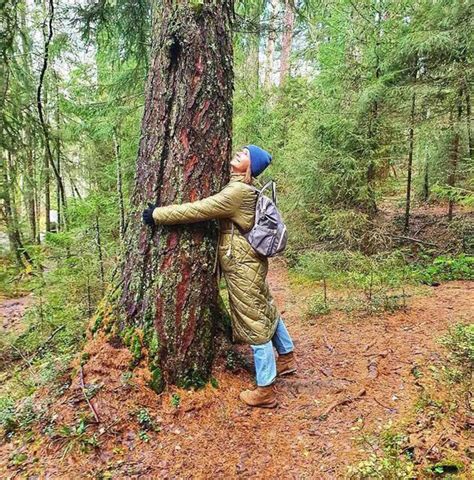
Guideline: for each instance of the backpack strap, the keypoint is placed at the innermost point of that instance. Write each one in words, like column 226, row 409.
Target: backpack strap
column 272, row 184
column 254, row 188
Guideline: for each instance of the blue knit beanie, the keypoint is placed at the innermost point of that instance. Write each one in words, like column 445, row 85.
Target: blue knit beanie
column 259, row 159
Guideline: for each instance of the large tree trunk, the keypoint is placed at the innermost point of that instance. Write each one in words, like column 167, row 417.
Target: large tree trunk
column 169, row 295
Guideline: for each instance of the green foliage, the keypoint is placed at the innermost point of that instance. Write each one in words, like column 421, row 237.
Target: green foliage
column 337, row 129
column 13, row 282
column 390, row 462
column 231, row 361
column 429, row 405
column 345, row 229
column 156, row 383
column 446, row 267
column 8, row 420
column 66, row 282
column 76, row 437
column 145, row 420
column 14, row 417
column 379, row 279
column 175, row 400
column 136, row 349
column 460, row 344
column 193, row 379
column 318, row 305
column 354, row 269
column 373, row 283
column 445, row 468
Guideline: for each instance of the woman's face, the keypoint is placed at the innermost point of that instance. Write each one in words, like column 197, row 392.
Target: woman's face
column 241, row 161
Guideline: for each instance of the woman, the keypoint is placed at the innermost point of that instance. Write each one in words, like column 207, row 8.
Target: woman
column 255, row 319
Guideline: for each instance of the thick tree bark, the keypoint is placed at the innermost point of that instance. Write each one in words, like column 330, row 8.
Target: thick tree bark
column 169, row 295
column 287, row 39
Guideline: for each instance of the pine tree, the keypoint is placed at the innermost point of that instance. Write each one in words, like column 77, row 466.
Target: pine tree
column 169, row 288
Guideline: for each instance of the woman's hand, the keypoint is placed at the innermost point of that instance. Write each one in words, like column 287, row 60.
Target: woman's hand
column 148, row 215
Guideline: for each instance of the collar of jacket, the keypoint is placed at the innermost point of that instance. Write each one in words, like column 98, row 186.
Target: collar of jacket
column 238, row 177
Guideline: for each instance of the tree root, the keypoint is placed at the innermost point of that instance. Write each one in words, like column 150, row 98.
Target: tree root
column 340, row 402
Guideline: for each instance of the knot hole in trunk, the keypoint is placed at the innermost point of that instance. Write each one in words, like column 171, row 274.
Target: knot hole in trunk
column 175, row 51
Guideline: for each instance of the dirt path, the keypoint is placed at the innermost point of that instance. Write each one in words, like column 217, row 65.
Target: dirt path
column 365, row 364
column 11, row 313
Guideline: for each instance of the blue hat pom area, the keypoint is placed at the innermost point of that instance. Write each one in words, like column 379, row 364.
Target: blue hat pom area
column 259, row 159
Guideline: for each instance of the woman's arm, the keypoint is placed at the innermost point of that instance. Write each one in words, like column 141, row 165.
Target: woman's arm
column 222, row 205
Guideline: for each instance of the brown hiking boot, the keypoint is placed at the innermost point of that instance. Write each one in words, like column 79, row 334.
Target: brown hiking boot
column 286, row 364
column 263, row 397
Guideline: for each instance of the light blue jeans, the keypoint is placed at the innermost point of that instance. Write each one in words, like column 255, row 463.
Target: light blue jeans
column 264, row 356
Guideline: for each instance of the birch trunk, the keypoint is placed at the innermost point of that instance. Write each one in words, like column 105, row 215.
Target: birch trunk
column 287, row 40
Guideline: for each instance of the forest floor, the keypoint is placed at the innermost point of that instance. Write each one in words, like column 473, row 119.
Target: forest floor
column 11, row 312
column 358, row 375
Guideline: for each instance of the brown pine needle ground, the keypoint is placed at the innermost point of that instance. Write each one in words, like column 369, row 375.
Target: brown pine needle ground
column 313, row 434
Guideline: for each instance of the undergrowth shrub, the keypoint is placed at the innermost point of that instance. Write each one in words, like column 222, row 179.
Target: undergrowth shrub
column 390, row 459
column 17, row 416
column 371, row 283
column 346, row 267
column 351, row 229
column 318, row 305
column 459, row 342
column 67, row 280
column 445, row 268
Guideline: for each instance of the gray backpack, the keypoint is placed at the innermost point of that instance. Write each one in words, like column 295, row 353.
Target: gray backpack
column 268, row 235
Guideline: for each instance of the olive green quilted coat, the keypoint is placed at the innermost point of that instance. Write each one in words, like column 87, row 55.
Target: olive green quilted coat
column 252, row 309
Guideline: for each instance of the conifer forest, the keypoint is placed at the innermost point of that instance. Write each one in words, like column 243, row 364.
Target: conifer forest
column 120, row 355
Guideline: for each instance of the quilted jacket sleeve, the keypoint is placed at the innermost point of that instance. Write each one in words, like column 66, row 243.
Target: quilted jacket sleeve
column 222, row 205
